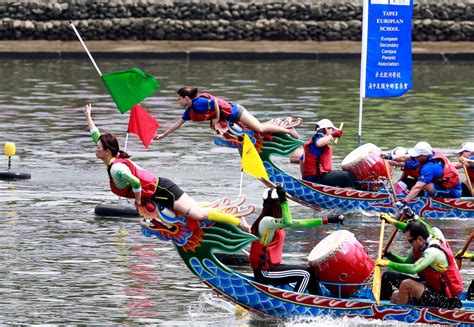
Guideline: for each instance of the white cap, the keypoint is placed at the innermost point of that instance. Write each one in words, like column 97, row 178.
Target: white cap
column 468, row 146
column 398, row 151
column 324, row 123
column 421, row 149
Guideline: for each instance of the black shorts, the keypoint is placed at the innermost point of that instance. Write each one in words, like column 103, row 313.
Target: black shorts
column 167, row 192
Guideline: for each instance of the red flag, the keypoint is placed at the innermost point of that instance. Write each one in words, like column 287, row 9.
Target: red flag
column 142, row 124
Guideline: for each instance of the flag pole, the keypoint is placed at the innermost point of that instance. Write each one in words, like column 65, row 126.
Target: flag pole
column 126, row 141
column 85, row 48
column 363, row 66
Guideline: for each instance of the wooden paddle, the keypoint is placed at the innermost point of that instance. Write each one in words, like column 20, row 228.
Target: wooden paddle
column 468, row 242
column 340, row 127
column 392, row 236
column 468, row 180
column 377, row 284
column 402, row 217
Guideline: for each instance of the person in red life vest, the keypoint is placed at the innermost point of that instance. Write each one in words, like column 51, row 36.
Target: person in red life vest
column 316, row 163
column 439, row 283
column 466, row 159
column 127, row 179
column 438, row 177
column 205, row 106
column 266, row 252
column 410, row 169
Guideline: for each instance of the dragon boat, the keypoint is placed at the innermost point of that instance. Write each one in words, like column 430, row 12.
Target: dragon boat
column 335, row 199
column 196, row 244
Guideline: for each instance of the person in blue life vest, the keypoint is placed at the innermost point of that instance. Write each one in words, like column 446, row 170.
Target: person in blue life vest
column 466, row 159
column 127, row 179
column 438, row 177
column 439, row 283
column 205, row 106
column 316, row 163
column 266, row 252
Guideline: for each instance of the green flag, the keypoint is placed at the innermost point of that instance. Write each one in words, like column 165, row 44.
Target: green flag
column 129, row 87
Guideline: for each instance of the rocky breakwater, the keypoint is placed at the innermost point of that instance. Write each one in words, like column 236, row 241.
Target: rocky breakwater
column 148, row 20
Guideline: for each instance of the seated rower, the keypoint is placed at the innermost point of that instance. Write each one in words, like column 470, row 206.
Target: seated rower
column 129, row 180
column 440, row 283
column 410, row 169
column 438, row 177
column 466, row 159
column 316, row 163
column 266, row 252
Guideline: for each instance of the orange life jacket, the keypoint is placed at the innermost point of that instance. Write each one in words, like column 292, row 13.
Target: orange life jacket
column 148, row 181
column 313, row 165
column 448, row 282
column 267, row 256
column 450, row 177
column 224, row 106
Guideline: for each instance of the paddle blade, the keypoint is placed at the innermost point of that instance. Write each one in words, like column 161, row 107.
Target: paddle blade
column 377, row 284
column 251, row 162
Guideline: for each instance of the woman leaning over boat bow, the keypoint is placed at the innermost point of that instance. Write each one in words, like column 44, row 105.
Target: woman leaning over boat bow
column 129, row 180
column 205, row 106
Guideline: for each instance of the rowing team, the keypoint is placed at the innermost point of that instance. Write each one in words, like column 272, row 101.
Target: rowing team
column 428, row 257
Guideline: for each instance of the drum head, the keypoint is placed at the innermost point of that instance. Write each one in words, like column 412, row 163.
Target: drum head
column 358, row 154
column 329, row 246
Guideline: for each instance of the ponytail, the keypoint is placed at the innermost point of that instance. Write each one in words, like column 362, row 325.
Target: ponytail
column 190, row 92
column 123, row 154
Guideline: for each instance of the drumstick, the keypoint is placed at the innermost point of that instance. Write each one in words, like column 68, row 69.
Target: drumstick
column 340, row 127
column 468, row 180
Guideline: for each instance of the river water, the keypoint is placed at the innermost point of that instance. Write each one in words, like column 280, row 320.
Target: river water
column 63, row 265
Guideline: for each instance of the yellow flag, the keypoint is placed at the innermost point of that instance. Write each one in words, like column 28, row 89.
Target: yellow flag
column 251, row 162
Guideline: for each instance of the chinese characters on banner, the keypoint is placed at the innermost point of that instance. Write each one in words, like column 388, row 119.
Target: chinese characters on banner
column 389, row 56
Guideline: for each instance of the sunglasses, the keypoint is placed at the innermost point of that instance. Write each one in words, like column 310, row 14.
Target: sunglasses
column 410, row 240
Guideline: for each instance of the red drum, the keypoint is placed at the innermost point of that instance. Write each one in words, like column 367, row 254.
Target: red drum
column 340, row 258
column 367, row 166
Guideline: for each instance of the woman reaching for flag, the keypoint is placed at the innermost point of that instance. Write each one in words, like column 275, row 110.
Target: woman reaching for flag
column 205, row 106
column 129, row 180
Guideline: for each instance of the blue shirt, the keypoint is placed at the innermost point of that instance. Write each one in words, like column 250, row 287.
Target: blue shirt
column 200, row 106
column 317, row 151
column 411, row 164
column 431, row 170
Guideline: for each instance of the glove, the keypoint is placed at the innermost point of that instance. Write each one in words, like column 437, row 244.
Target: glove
column 387, row 218
column 464, row 256
column 401, row 204
column 381, row 262
column 386, row 254
column 337, row 133
column 281, row 193
column 386, row 156
column 336, row 219
column 409, row 214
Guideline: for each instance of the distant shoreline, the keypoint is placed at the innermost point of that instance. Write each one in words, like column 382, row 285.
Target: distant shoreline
column 221, row 50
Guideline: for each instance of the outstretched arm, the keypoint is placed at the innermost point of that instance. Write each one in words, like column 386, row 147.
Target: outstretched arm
column 177, row 124
column 92, row 127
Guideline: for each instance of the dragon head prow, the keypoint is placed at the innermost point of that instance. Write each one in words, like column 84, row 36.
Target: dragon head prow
column 189, row 234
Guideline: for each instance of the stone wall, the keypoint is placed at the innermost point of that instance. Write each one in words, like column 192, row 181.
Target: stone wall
column 218, row 20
